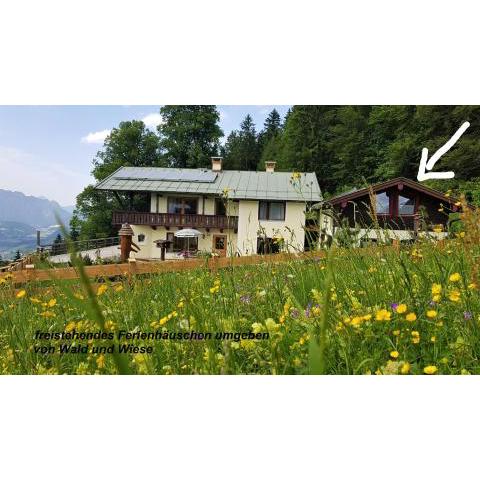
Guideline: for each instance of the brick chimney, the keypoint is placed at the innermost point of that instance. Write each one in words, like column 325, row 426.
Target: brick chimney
column 217, row 164
column 270, row 166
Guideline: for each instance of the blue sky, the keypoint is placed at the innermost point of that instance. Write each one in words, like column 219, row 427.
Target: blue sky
column 48, row 151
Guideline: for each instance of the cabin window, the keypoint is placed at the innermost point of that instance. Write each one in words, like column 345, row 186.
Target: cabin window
column 141, row 238
column 383, row 203
column 182, row 206
column 406, row 205
column 271, row 211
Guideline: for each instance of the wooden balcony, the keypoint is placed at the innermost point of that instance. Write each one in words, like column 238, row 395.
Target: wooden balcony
column 175, row 220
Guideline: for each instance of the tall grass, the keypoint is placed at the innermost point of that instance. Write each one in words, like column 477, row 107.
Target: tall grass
column 341, row 315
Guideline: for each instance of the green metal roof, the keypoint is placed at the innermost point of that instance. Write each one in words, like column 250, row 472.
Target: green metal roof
column 241, row 185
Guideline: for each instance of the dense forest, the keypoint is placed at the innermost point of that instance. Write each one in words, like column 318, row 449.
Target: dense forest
column 346, row 146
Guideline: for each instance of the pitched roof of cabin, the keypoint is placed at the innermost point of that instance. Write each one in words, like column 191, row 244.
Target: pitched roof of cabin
column 353, row 194
column 242, row 185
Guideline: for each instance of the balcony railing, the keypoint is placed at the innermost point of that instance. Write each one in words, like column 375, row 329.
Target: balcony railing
column 175, row 220
column 404, row 222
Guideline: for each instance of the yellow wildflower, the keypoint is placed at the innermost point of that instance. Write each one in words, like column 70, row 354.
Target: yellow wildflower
column 109, row 325
column 21, row 294
column 402, row 308
column 382, row 315
column 100, row 361
column 396, row 332
column 271, row 325
column 436, row 289
column 431, row 313
column 410, row 317
column 70, row 326
column 455, row 277
column 102, row 289
column 433, row 339
column 454, row 296
column 436, row 298
column 118, row 288
column 430, row 369
column 415, row 337
column 257, row 327
column 405, row 368
column 438, row 228
column 394, row 354
column 52, row 302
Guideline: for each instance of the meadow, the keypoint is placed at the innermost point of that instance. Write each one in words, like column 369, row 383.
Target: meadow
column 381, row 310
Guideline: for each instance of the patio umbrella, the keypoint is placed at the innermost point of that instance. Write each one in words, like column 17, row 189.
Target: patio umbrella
column 188, row 233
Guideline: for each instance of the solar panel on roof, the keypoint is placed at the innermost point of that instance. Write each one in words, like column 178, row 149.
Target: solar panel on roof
column 200, row 176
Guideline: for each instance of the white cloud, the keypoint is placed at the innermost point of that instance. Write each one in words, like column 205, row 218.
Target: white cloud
column 96, row 137
column 152, row 120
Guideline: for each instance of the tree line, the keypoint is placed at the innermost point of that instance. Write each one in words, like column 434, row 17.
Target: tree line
column 346, row 146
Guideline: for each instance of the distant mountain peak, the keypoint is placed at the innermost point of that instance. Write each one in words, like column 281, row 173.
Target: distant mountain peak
column 34, row 211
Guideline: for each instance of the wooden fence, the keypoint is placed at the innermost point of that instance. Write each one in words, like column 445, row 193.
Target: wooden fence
column 146, row 267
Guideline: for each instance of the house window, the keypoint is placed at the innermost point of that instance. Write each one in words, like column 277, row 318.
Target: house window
column 179, row 244
column 141, row 238
column 267, row 245
column 406, row 205
column 182, row 206
column 271, row 211
column 220, row 207
column 383, row 203
column 219, row 242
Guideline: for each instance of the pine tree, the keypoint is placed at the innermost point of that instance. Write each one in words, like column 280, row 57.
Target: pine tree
column 271, row 128
column 17, row 256
column 241, row 149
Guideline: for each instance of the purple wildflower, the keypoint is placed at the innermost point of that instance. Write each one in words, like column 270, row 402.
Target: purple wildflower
column 308, row 309
column 295, row 313
column 245, row 299
column 394, row 306
column 467, row 315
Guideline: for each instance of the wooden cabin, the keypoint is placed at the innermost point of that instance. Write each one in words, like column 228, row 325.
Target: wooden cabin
column 399, row 209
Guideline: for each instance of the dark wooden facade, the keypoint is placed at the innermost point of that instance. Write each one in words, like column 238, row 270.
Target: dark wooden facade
column 426, row 207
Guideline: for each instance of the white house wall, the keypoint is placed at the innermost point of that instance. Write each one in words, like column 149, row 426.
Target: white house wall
column 250, row 227
column 148, row 249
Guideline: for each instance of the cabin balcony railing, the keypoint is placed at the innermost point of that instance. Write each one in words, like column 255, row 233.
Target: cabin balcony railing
column 175, row 220
column 403, row 222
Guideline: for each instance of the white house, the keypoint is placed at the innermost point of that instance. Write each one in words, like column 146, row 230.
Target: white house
column 236, row 212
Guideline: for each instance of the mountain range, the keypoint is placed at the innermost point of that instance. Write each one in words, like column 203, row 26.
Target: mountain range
column 22, row 215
